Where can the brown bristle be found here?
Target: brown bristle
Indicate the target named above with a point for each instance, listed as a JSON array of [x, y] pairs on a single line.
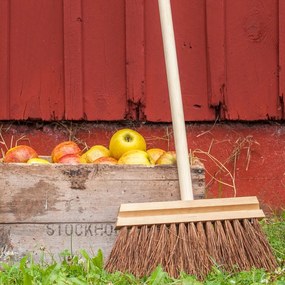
[[243, 262], [195, 248], [267, 250], [156, 248], [192, 248], [261, 250], [235, 249], [185, 249], [212, 243], [116, 253], [204, 259], [169, 262], [222, 245], [142, 245]]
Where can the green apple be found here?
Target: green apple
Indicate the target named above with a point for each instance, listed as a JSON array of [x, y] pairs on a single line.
[[125, 140], [135, 157]]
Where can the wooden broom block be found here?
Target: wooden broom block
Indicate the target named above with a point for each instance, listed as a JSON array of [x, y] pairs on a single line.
[[188, 211]]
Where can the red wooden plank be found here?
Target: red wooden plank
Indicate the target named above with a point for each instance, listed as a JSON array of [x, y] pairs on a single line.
[[36, 63], [281, 68], [104, 59], [251, 47], [4, 59], [215, 20], [189, 27], [135, 56], [73, 89]]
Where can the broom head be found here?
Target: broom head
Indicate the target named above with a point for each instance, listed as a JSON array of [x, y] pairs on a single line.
[[191, 237]]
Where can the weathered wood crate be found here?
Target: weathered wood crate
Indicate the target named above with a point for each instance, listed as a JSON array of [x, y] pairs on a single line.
[[57, 207]]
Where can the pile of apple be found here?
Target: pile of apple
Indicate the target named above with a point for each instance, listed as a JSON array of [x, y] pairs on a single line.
[[126, 146]]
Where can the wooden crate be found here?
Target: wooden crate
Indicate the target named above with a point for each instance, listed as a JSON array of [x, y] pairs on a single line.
[[57, 207]]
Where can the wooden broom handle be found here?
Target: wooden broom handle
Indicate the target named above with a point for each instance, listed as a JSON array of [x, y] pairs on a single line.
[[176, 105]]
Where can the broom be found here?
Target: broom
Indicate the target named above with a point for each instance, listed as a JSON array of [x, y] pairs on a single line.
[[188, 236]]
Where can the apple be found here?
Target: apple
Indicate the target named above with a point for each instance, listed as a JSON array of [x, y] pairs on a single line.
[[37, 160], [64, 148], [70, 159], [106, 160], [96, 152], [83, 158], [135, 156], [154, 154], [20, 153], [125, 140], [169, 157]]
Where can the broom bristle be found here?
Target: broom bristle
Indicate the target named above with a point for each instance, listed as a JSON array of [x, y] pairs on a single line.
[[193, 248], [212, 245], [116, 252], [169, 262], [156, 248], [238, 255], [263, 254]]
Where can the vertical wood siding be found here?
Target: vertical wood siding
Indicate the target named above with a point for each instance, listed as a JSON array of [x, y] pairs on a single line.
[[252, 59], [103, 60]]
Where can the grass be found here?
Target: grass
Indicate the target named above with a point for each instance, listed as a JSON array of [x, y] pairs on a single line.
[[83, 269]]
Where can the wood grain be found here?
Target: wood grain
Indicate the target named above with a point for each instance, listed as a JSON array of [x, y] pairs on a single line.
[[188, 217], [215, 25], [46, 205], [188, 211], [281, 66], [36, 60], [135, 59], [73, 87], [104, 68], [4, 59]]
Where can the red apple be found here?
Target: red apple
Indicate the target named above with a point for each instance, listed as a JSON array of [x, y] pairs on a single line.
[[20, 153], [106, 160], [64, 148], [70, 159]]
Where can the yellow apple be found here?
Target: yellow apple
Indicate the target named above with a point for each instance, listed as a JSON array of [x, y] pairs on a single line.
[[135, 157], [169, 157], [125, 140], [106, 160], [83, 158], [38, 160], [96, 152], [154, 154]]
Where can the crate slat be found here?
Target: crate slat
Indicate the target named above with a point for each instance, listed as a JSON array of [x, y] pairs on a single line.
[[72, 197]]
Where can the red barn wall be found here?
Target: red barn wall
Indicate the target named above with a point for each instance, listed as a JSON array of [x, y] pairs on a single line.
[[99, 61], [103, 60]]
